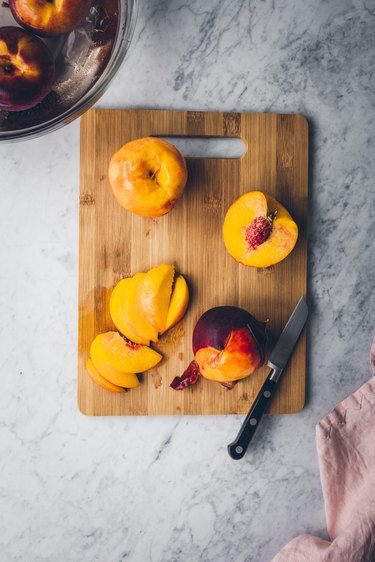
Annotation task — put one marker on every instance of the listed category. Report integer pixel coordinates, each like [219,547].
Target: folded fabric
[346,448]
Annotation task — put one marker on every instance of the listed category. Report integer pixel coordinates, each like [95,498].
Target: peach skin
[147,176]
[258,231]
[228,345]
[27,69]
[49,17]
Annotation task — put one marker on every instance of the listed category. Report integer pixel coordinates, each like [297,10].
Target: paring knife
[277,361]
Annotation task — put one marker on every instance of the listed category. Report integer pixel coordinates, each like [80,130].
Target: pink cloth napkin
[346,448]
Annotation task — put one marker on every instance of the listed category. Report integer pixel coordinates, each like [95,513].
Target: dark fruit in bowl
[27,69]
[228,345]
[49,17]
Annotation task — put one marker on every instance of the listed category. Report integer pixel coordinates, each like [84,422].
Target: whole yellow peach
[147,176]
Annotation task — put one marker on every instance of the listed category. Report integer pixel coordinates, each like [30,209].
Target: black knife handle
[238,447]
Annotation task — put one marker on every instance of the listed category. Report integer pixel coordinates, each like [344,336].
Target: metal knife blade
[289,337]
[277,361]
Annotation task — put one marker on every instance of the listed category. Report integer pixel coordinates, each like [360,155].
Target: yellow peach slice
[155,294]
[135,313]
[98,379]
[179,302]
[258,231]
[113,350]
[119,311]
[118,378]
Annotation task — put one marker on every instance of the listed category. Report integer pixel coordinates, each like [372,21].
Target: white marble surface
[81,489]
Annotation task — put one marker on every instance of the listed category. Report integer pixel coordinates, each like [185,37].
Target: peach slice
[137,319]
[179,302]
[119,311]
[101,381]
[113,350]
[258,231]
[155,294]
[118,378]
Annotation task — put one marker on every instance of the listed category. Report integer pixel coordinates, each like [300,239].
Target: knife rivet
[253,421]
[266,394]
[239,450]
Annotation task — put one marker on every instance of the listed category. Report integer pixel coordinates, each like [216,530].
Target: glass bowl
[86,60]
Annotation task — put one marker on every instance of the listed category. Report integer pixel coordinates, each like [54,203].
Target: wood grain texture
[115,243]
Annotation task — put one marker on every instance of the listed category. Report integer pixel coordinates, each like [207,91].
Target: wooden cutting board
[115,243]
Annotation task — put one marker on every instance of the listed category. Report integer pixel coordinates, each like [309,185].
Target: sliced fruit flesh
[155,294]
[236,361]
[277,247]
[274,206]
[179,302]
[118,308]
[139,323]
[242,214]
[100,380]
[123,356]
[223,366]
[126,380]
[247,207]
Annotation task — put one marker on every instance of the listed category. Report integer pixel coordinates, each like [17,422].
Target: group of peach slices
[141,307]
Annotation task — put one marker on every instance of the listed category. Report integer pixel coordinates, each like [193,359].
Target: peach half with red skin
[258,231]
[49,17]
[228,345]
[147,176]
[27,69]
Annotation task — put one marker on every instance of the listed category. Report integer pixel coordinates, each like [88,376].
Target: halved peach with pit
[154,292]
[258,231]
[119,310]
[114,351]
[178,303]
[101,381]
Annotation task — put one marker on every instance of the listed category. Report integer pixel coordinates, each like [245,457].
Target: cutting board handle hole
[207,147]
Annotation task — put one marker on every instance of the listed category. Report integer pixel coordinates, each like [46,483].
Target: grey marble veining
[164,489]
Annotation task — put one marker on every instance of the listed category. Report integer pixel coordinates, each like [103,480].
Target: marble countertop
[74,488]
